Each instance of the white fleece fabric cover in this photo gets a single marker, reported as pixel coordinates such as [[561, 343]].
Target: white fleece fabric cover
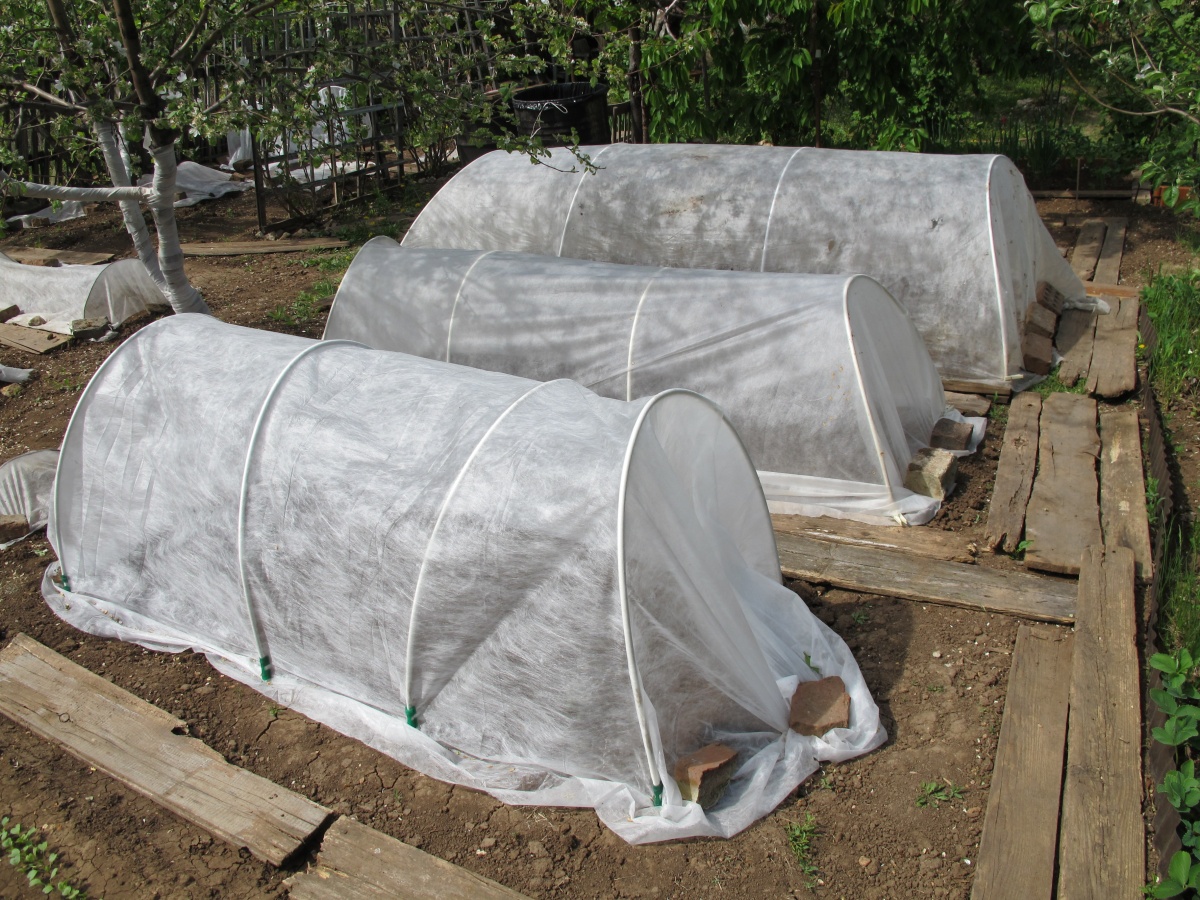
[[26, 486], [62, 294], [567, 593], [955, 239], [824, 376], [199, 183]]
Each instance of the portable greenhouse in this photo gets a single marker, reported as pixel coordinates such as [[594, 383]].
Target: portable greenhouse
[[517, 586], [955, 239], [62, 294], [823, 376]]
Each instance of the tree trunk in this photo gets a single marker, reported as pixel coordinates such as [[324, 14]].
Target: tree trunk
[[182, 296], [108, 136]]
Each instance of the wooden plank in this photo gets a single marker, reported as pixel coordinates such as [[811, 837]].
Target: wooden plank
[[1113, 372], [1108, 268], [1014, 475], [969, 404], [997, 390], [1063, 516], [31, 340], [1075, 341], [357, 861], [1101, 850], [931, 543], [897, 574], [1097, 194], [37, 256], [1096, 289], [245, 248], [1123, 516], [1020, 830], [136, 743], [1087, 248]]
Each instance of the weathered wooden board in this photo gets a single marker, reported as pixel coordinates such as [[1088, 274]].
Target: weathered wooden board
[[1098, 194], [357, 861], [1063, 516], [135, 743], [1101, 849], [38, 256], [931, 543], [1014, 475], [1020, 830], [1108, 268], [969, 404], [1113, 372], [898, 574], [31, 340], [1096, 289], [995, 389], [1075, 341], [1123, 516], [1087, 248], [246, 248]]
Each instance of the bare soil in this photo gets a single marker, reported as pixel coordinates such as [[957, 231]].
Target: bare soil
[[939, 675]]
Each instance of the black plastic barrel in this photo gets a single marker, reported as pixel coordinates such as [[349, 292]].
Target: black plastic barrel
[[550, 111]]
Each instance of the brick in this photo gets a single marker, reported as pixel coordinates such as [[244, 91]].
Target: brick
[[86, 329], [950, 435], [819, 706], [932, 472], [1039, 354], [703, 776], [1050, 298], [1039, 320], [12, 527]]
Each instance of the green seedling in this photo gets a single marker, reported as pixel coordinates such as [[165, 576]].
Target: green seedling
[[860, 617], [1181, 787], [800, 838], [936, 793], [28, 854], [1182, 875]]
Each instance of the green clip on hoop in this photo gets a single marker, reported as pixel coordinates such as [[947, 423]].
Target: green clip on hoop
[[264, 668], [410, 713], [658, 789]]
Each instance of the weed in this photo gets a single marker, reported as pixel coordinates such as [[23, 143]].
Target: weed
[[29, 855], [800, 837], [337, 261], [1154, 503], [305, 309], [998, 413], [935, 688], [1052, 384], [937, 793], [363, 231], [860, 617], [1173, 304], [66, 385], [1022, 545], [273, 711]]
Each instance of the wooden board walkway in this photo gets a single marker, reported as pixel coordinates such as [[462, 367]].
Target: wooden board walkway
[[931, 543], [136, 743], [1020, 830], [37, 256], [1087, 250], [247, 248], [1014, 475], [31, 340], [357, 861], [1108, 267], [1075, 341], [896, 573], [1101, 851], [1123, 516], [969, 404], [1113, 372], [1063, 516]]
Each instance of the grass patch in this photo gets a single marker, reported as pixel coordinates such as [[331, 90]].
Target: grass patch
[[330, 261], [800, 838], [1052, 384], [307, 307], [1173, 303], [1180, 586]]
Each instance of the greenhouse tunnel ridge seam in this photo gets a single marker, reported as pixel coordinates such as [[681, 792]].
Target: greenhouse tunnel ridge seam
[[458, 296], [762, 266], [260, 638], [562, 238], [633, 333], [409, 668]]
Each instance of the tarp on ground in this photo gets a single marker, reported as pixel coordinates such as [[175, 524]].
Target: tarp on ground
[[513, 585], [824, 376], [955, 239]]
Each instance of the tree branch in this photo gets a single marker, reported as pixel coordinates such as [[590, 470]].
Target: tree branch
[[217, 33], [58, 192], [1161, 111], [52, 99]]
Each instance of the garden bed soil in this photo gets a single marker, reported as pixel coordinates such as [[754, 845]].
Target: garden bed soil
[[938, 673]]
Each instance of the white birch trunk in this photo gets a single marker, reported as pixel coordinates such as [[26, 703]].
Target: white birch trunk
[[183, 297]]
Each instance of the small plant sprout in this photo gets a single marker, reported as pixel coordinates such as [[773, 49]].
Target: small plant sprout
[[861, 617], [937, 793], [27, 853], [800, 837]]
